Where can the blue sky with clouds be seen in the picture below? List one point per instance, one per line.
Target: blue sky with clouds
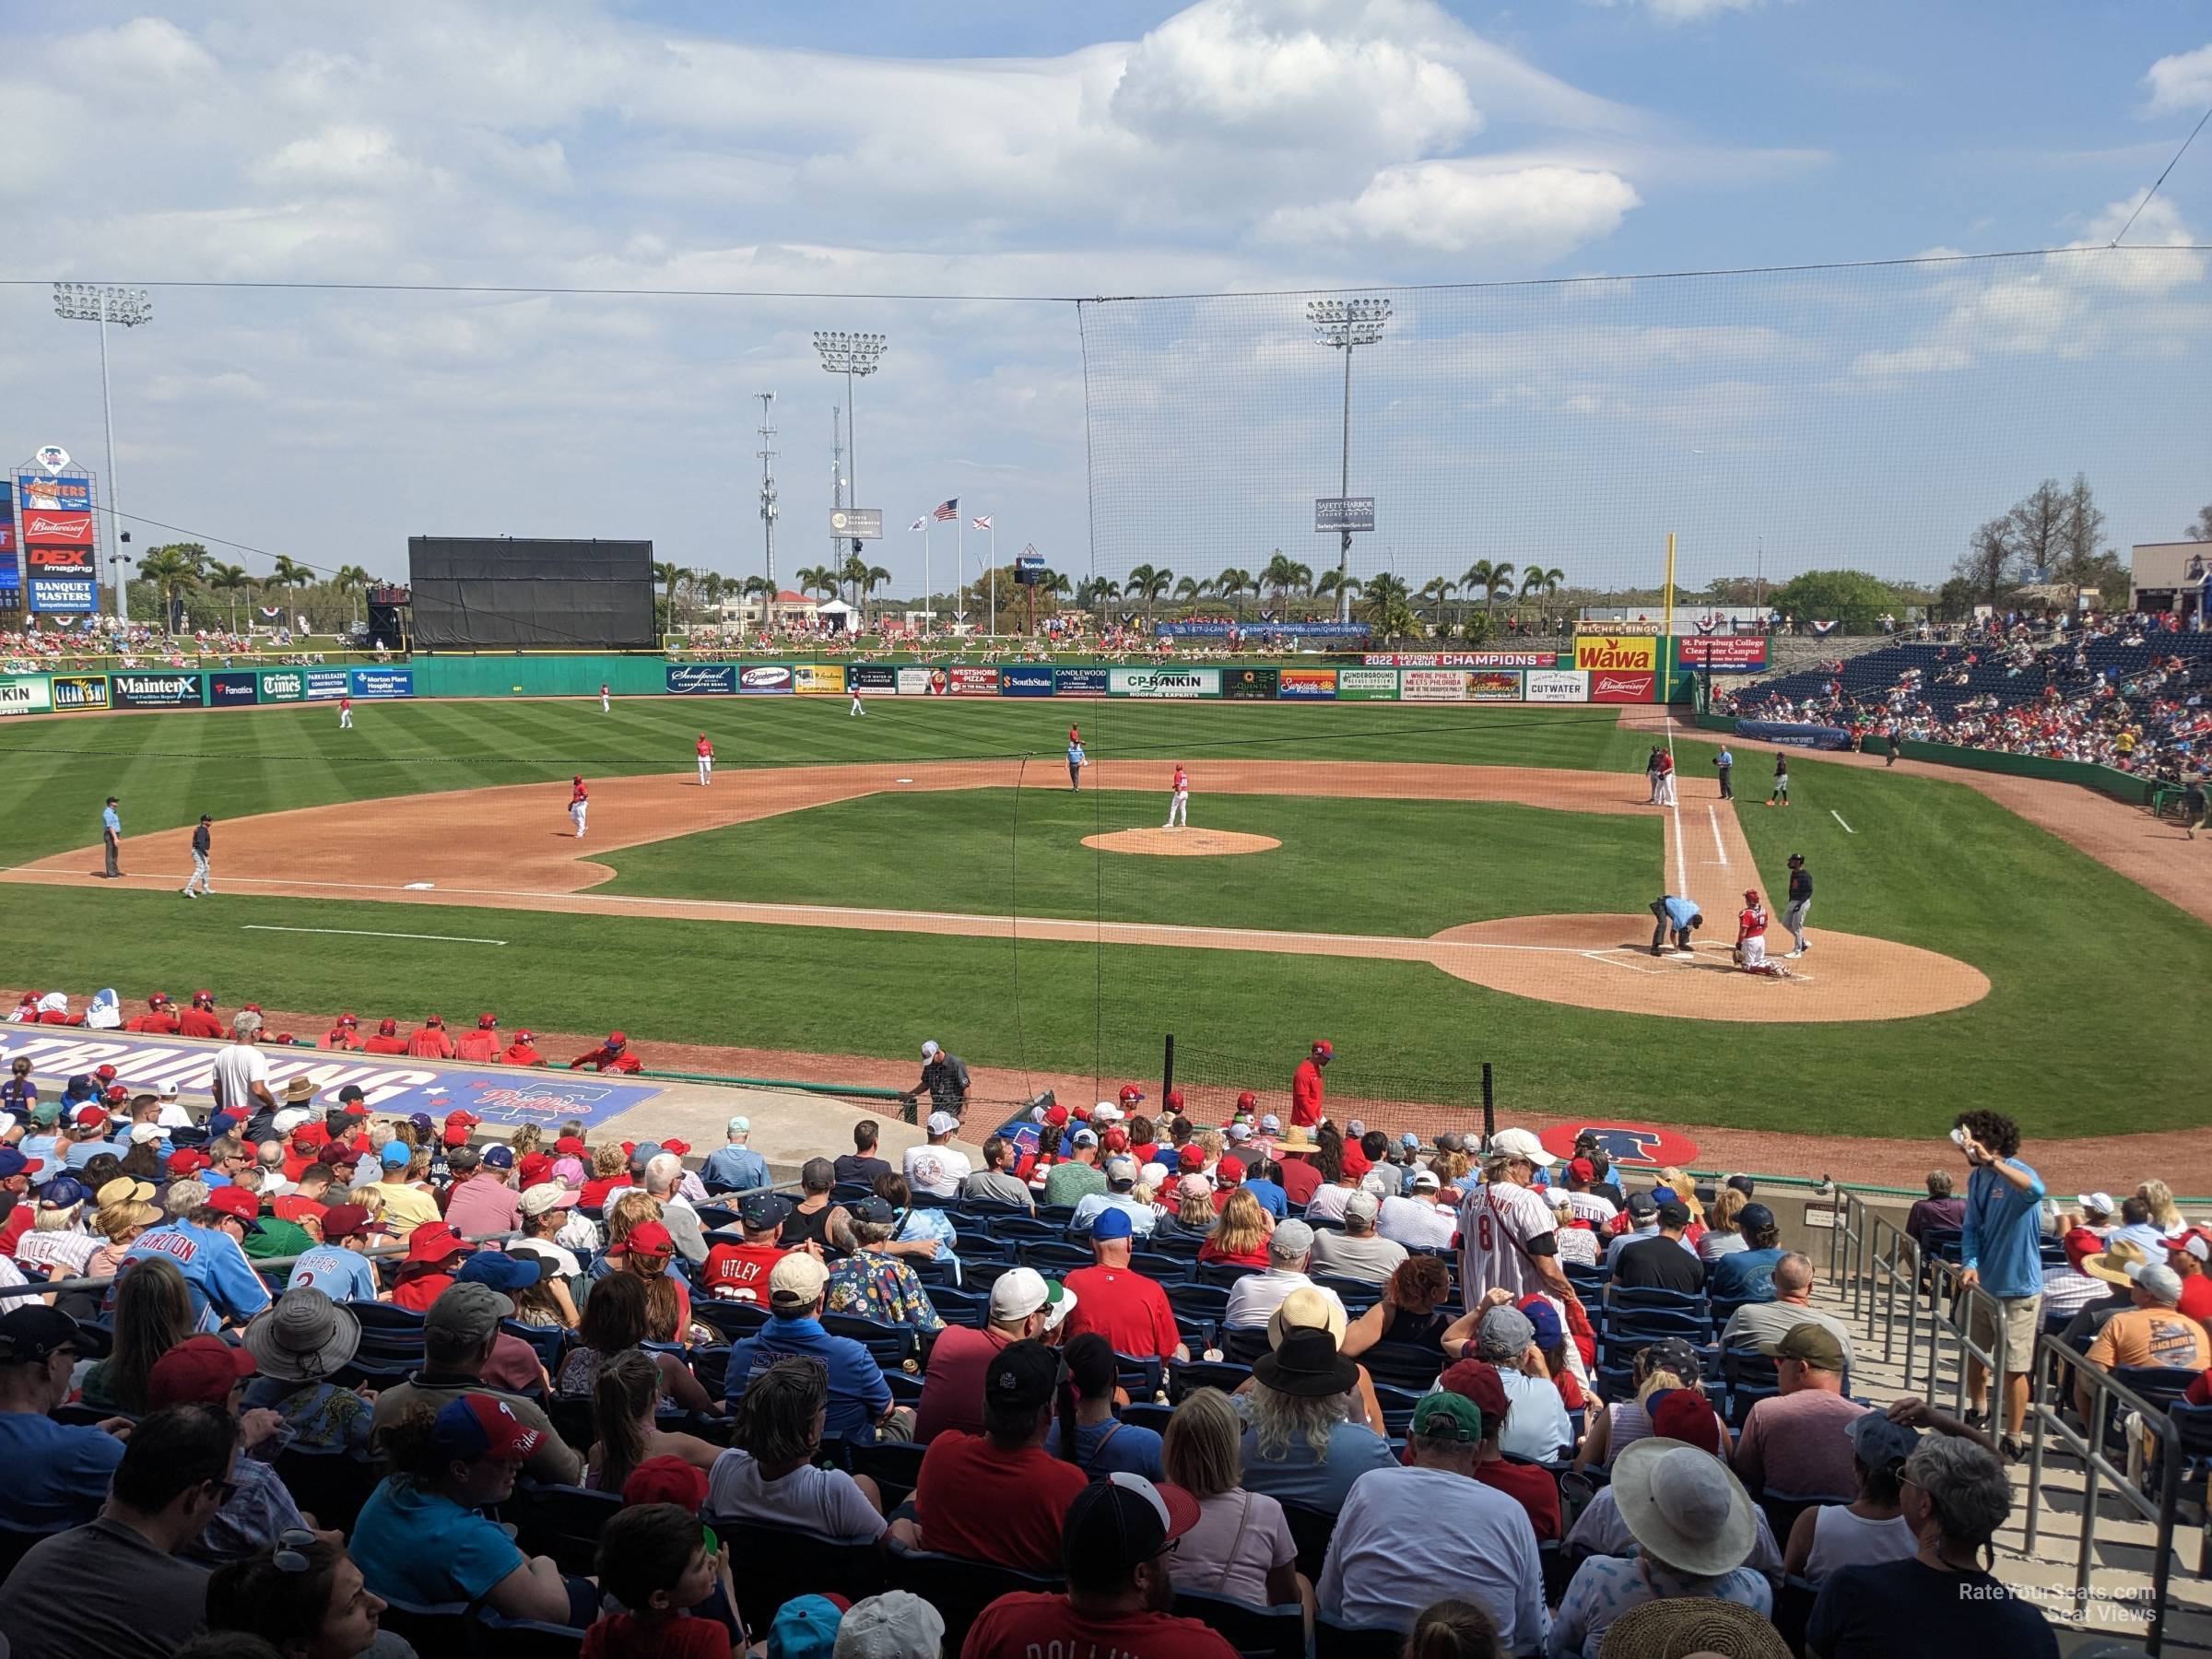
(1229, 146)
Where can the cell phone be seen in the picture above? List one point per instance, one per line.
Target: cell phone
(1958, 1139)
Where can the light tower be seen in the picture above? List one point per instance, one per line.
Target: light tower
(767, 504)
(1341, 324)
(854, 356)
(127, 308)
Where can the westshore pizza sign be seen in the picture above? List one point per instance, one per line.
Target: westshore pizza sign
(507, 1096)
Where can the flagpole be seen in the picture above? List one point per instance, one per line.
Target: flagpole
(959, 545)
(994, 575)
(928, 617)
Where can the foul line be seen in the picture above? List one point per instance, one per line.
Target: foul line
(365, 933)
(1719, 851)
(1839, 818)
(1674, 805)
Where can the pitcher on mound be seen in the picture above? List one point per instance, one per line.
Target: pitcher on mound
(1179, 800)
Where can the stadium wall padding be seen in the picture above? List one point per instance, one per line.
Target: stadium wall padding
(2134, 790)
(518, 676)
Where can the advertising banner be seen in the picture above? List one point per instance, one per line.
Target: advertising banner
(1366, 685)
(702, 679)
(282, 685)
(1433, 685)
(44, 492)
(872, 677)
(46, 560)
(181, 690)
(24, 694)
(58, 530)
(1025, 679)
(383, 682)
(80, 691)
(1556, 685)
(1795, 736)
(913, 682)
(1248, 683)
(327, 685)
(1607, 687)
(1261, 630)
(1300, 684)
(767, 679)
(1629, 653)
(974, 682)
(1460, 659)
(1080, 682)
(1641, 625)
(818, 680)
(1724, 653)
(11, 578)
(71, 595)
(1494, 684)
(1164, 682)
(227, 687)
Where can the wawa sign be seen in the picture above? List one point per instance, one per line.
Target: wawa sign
(1624, 654)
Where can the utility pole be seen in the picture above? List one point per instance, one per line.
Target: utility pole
(767, 504)
(837, 479)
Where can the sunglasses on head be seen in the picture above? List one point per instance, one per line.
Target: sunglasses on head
(290, 1542)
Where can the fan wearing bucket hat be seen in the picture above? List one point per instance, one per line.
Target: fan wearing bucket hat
(1694, 1528)
(999, 1496)
(1408, 1536)
(1024, 1306)
(296, 1345)
(1305, 1442)
(1115, 1550)
(434, 1251)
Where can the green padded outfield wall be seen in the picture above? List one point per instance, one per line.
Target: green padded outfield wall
(539, 675)
(2122, 786)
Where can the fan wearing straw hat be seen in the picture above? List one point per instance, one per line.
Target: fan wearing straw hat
(296, 1344)
(1694, 1527)
(1408, 1535)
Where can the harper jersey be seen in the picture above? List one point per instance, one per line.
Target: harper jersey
(1502, 1226)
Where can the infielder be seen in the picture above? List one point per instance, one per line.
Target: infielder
(1675, 916)
(1801, 901)
(344, 713)
(1781, 792)
(1179, 800)
(1752, 938)
(605, 706)
(1076, 762)
(1666, 777)
(202, 845)
(580, 805)
(706, 762)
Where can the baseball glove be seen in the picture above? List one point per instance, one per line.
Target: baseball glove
(1736, 955)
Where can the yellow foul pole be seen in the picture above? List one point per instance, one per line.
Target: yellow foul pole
(1664, 678)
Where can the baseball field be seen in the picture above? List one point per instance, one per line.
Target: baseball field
(1429, 888)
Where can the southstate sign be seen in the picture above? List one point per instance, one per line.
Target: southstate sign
(1624, 654)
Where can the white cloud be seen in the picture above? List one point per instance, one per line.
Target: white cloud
(1687, 11)
(1536, 213)
(2182, 82)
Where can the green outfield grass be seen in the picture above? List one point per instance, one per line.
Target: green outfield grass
(2099, 987)
(1411, 868)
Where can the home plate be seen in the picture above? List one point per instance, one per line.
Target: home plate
(418, 887)
(903, 780)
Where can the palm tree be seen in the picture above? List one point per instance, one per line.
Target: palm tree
(1387, 607)
(1540, 584)
(231, 579)
(1190, 590)
(822, 579)
(1331, 583)
(1436, 591)
(1230, 585)
(1056, 585)
(1280, 574)
(670, 575)
(871, 577)
(1149, 584)
(171, 569)
(350, 581)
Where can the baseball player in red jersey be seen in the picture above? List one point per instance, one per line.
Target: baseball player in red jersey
(432, 1041)
(579, 804)
(1306, 1087)
(1752, 938)
(344, 713)
(1179, 799)
(344, 1036)
(160, 1016)
(611, 1056)
(605, 706)
(483, 1043)
(522, 1050)
(200, 1019)
(387, 1039)
(706, 762)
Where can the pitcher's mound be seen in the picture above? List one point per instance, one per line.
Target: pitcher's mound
(1182, 844)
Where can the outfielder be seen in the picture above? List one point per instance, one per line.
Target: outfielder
(1801, 901)
(344, 713)
(605, 706)
(1179, 800)
(1752, 938)
(1076, 762)
(706, 762)
(856, 709)
(202, 848)
(580, 805)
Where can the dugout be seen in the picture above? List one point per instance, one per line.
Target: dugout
(510, 593)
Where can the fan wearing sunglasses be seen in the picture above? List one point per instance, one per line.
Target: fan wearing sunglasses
(306, 1598)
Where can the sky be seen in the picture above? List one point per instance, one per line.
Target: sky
(1516, 181)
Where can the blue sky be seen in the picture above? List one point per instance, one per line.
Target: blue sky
(1229, 146)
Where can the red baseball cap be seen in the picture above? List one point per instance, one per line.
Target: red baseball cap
(387, 1027)
(1131, 1094)
(682, 1149)
(159, 999)
(665, 1480)
(650, 1238)
(203, 999)
(526, 1036)
(568, 1146)
(434, 1241)
(106, 1074)
(435, 1019)
(1248, 1101)
(1115, 1139)
(237, 1202)
(1056, 1117)
(348, 1020)
(616, 1038)
(343, 1220)
(1175, 1098)
(1230, 1168)
(1477, 1379)
(535, 1168)
(1322, 1045)
(478, 1424)
(462, 1115)
(486, 1022)
(200, 1370)
(187, 1161)
(1684, 1415)
(311, 1134)
(1581, 1168)
(1192, 1156)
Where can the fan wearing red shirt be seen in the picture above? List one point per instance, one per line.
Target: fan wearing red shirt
(1306, 1086)
(387, 1039)
(739, 1272)
(1528, 1485)
(999, 1496)
(2188, 1255)
(200, 1019)
(1119, 1532)
(1123, 1306)
(434, 1251)
(160, 1018)
(1297, 1174)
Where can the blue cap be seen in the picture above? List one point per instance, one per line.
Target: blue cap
(504, 1272)
(422, 1121)
(79, 1087)
(806, 1627)
(396, 1152)
(1114, 1223)
(13, 1163)
(221, 1124)
(62, 1192)
(500, 1158)
(1665, 1194)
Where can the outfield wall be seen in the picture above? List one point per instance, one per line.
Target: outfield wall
(2122, 786)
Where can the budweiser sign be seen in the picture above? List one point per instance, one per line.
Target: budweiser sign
(45, 529)
(1622, 687)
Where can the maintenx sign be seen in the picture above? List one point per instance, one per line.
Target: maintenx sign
(157, 691)
(1164, 682)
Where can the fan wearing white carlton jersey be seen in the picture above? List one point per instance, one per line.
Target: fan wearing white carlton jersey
(1507, 1229)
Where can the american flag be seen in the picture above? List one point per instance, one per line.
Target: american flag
(980, 524)
(949, 511)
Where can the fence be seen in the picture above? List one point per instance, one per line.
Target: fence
(1380, 1096)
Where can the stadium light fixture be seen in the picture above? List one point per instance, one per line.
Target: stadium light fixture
(127, 308)
(854, 356)
(1342, 325)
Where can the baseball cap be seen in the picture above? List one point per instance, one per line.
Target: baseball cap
(2163, 1283)
(1446, 1416)
(1322, 1045)
(569, 1145)
(1816, 1346)
(1114, 1224)
(1024, 1373)
(1674, 1354)
(872, 1208)
(536, 1168)
(2191, 1243)
(468, 1313)
(805, 1627)
(1121, 1171)
(1231, 1170)
(1124, 1519)
(1022, 1291)
(395, 1154)
(504, 1272)
(1753, 1218)
(237, 1202)
(1674, 1213)
(1238, 1132)
(498, 1157)
(650, 1238)
(1270, 1123)
(343, 1220)
(64, 1192)
(545, 1196)
(1581, 1168)
(1684, 1415)
(896, 1625)
(1192, 1156)
(1291, 1240)
(185, 1160)
(1521, 1143)
(740, 1125)
(1642, 1206)
(1086, 1138)
(797, 1281)
(1354, 1130)
(479, 1425)
(1877, 1441)
(930, 1051)
(221, 1125)
(200, 1370)
(1504, 1335)
(1362, 1206)
(1427, 1180)
(1545, 1319)
(763, 1210)
(1115, 1139)
(350, 1093)
(36, 1333)
(942, 1122)
(665, 1479)
(2097, 1204)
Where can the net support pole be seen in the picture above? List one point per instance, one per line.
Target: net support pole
(1490, 1107)
(1666, 677)
(1166, 1070)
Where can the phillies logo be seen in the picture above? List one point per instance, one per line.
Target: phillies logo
(77, 527)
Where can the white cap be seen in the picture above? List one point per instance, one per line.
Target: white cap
(740, 1125)
(929, 1051)
(1270, 1123)
(2099, 1202)
(1362, 1205)
(1121, 1169)
(942, 1122)
(896, 1625)
(1155, 1175)
(290, 1119)
(168, 1091)
(1239, 1132)
(1084, 1137)
(1521, 1143)
(1426, 1181)
(1105, 1112)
